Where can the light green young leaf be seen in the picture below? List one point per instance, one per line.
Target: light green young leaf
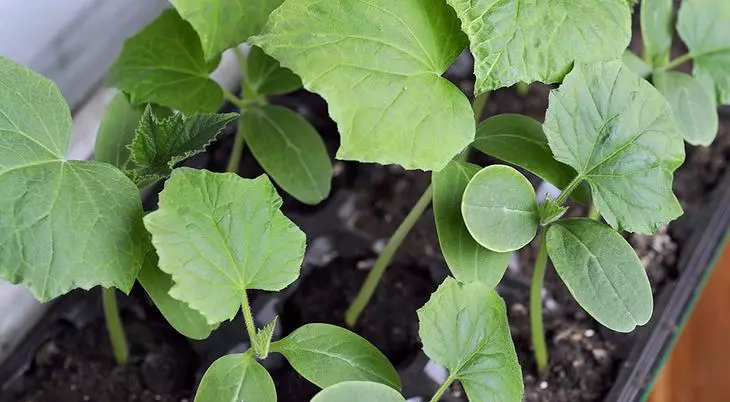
(519, 140)
(326, 355)
(618, 132)
(164, 64)
(65, 224)
(265, 76)
(222, 24)
(657, 30)
(464, 327)
(500, 209)
(393, 108)
(636, 64)
(693, 107)
(550, 211)
(702, 25)
(467, 260)
(116, 132)
(218, 235)
(290, 150)
(602, 272)
(236, 378)
(263, 337)
(160, 144)
(358, 391)
(526, 40)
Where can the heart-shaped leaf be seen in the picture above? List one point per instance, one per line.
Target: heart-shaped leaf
(236, 378)
(657, 30)
(393, 108)
(694, 108)
(218, 235)
(265, 76)
(358, 391)
(602, 272)
(617, 131)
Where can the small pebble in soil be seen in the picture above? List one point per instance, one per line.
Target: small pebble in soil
(543, 384)
(589, 333)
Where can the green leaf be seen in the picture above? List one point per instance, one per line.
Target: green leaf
(263, 337)
(390, 108)
(519, 140)
(602, 272)
(464, 327)
(657, 30)
(160, 144)
(693, 107)
(500, 209)
(618, 132)
(290, 150)
(164, 64)
(636, 64)
(325, 355)
(550, 211)
(116, 132)
(702, 25)
(218, 235)
(65, 224)
(358, 391)
(467, 260)
(265, 76)
(222, 24)
(525, 40)
(236, 378)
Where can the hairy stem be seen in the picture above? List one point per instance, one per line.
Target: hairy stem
(368, 288)
(250, 326)
(568, 190)
(114, 326)
(536, 328)
(235, 159)
(440, 392)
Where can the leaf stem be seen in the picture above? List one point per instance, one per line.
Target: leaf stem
(114, 326)
(568, 190)
(250, 326)
(371, 282)
(478, 105)
(440, 392)
(536, 328)
(234, 99)
(240, 142)
(676, 62)
(593, 212)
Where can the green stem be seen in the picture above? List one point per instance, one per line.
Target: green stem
(569, 189)
(536, 328)
(242, 104)
(235, 159)
(478, 105)
(676, 62)
(250, 326)
(114, 326)
(440, 392)
(593, 212)
(368, 288)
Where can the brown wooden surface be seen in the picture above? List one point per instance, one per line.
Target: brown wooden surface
(699, 367)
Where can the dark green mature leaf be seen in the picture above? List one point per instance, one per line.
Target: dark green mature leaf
(160, 144)
(290, 150)
(693, 107)
(657, 30)
(602, 272)
(326, 355)
(164, 64)
(467, 260)
(116, 131)
(218, 235)
(702, 25)
(618, 133)
(65, 224)
(393, 108)
(358, 391)
(265, 76)
(519, 140)
(236, 378)
(500, 209)
(636, 64)
(464, 327)
(525, 40)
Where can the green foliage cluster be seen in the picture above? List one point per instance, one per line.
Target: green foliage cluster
(612, 137)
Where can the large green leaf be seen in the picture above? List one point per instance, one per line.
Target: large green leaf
(160, 144)
(265, 76)
(694, 109)
(358, 391)
(64, 224)
(467, 260)
(326, 355)
(618, 133)
(222, 24)
(164, 64)
(464, 327)
(290, 150)
(218, 235)
(236, 378)
(519, 140)
(381, 79)
(526, 40)
(116, 131)
(702, 25)
(500, 208)
(657, 30)
(602, 272)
